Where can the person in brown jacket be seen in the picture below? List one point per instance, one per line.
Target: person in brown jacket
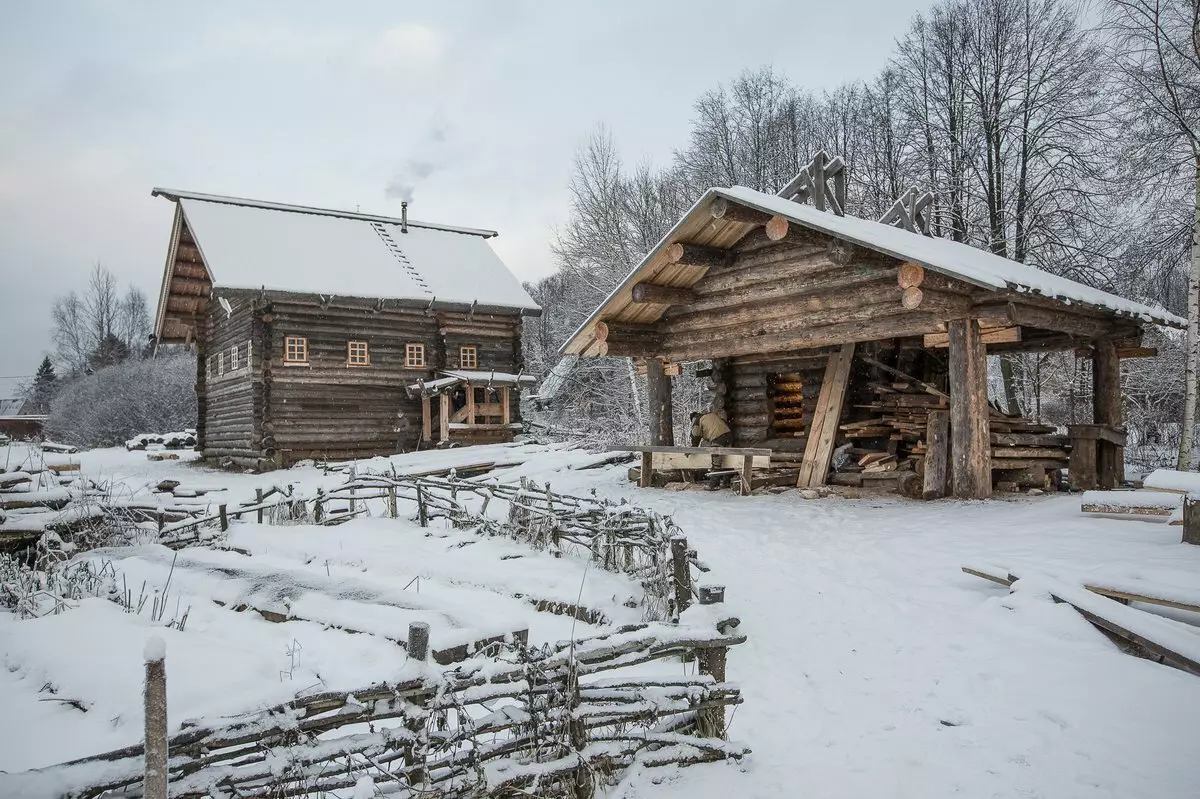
(710, 429)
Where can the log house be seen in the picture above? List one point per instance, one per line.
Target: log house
(804, 312)
(310, 324)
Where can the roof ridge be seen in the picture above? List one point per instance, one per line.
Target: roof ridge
(176, 195)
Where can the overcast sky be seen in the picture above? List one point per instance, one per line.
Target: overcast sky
(476, 108)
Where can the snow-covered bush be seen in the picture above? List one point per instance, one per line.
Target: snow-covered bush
(116, 403)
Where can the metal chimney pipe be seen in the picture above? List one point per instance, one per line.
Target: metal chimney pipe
(404, 217)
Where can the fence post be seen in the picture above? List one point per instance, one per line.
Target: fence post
(577, 730)
(318, 506)
(154, 781)
(682, 574)
(162, 521)
(710, 721)
(258, 500)
(418, 649)
(422, 514)
(1191, 519)
(391, 500)
(224, 518)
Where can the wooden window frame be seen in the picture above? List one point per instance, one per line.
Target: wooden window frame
(234, 364)
(414, 362)
(351, 354)
(221, 363)
(288, 349)
(462, 356)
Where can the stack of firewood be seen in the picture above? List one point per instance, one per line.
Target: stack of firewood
(893, 438)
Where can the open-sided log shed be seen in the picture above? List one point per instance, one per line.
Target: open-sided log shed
(803, 310)
(309, 325)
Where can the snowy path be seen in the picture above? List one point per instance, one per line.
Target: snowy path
(876, 668)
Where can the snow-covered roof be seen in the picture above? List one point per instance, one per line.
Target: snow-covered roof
(12, 395)
(951, 258)
(556, 379)
(254, 244)
(454, 377)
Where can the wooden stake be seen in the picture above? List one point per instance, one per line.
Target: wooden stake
(711, 721)
(682, 572)
(154, 784)
(224, 518)
(258, 499)
(418, 640)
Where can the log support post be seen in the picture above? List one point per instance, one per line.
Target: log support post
(658, 393)
(646, 475)
(444, 417)
(710, 721)
(747, 485)
(426, 420)
(1191, 520)
(1106, 410)
(970, 434)
(223, 513)
(154, 784)
(1082, 467)
(258, 500)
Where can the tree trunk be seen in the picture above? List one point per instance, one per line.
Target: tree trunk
(1193, 340)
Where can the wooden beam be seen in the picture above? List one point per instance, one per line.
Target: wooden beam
(631, 341)
(1107, 410)
(426, 420)
(728, 211)
(995, 335)
(970, 446)
(652, 294)
(658, 394)
(937, 457)
(752, 451)
(822, 430)
(1061, 320)
(470, 404)
(444, 417)
(696, 255)
(505, 407)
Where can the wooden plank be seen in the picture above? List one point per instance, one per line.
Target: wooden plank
(969, 434)
(426, 420)
(694, 450)
(470, 408)
(1124, 595)
(505, 407)
(444, 417)
(824, 427)
(937, 458)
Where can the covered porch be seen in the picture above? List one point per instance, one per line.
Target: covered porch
(470, 407)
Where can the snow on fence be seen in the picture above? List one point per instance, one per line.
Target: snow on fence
(511, 719)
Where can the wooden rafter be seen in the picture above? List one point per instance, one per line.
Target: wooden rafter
(911, 212)
(812, 184)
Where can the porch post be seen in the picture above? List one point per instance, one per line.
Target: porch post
(658, 395)
(426, 419)
(470, 404)
(505, 408)
(1107, 410)
(444, 421)
(970, 432)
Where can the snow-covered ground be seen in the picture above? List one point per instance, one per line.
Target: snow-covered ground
(874, 666)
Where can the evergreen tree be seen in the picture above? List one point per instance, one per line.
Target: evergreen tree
(45, 386)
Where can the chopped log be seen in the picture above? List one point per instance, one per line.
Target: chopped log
(777, 228)
(912, 298)
(910, 275)
(650, 293)
(696, 255)
(969, 433)
(729, 211)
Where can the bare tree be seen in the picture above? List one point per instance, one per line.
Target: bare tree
(1156, 47)
(100, 326)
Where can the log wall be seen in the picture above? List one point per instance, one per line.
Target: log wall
(231, 387)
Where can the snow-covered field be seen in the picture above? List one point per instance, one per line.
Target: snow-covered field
(874, 666)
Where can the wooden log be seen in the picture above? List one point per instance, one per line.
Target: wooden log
(912, 298)
(937, 455)
(712, 661)
(646, 475)
(1191, 520)
(996, 335)
(418, 640)
(729, 211)
(969, 433)
(652, 294)
(910, 275)
(658, 393)
(777, 228)
(696, 255)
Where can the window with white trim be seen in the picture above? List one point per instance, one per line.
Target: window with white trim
(468, 357)
(221, 362)
(414, 355)
(295, 349)
(358, 353)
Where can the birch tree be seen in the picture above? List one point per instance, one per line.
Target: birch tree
(1156, 47)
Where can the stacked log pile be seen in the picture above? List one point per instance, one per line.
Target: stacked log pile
(894, 437)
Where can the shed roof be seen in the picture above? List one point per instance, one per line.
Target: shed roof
(255, 244)
(950, 258)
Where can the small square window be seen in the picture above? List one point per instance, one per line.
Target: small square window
(414, 355)
(358, 353)
(468, 357)
(295, 349)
